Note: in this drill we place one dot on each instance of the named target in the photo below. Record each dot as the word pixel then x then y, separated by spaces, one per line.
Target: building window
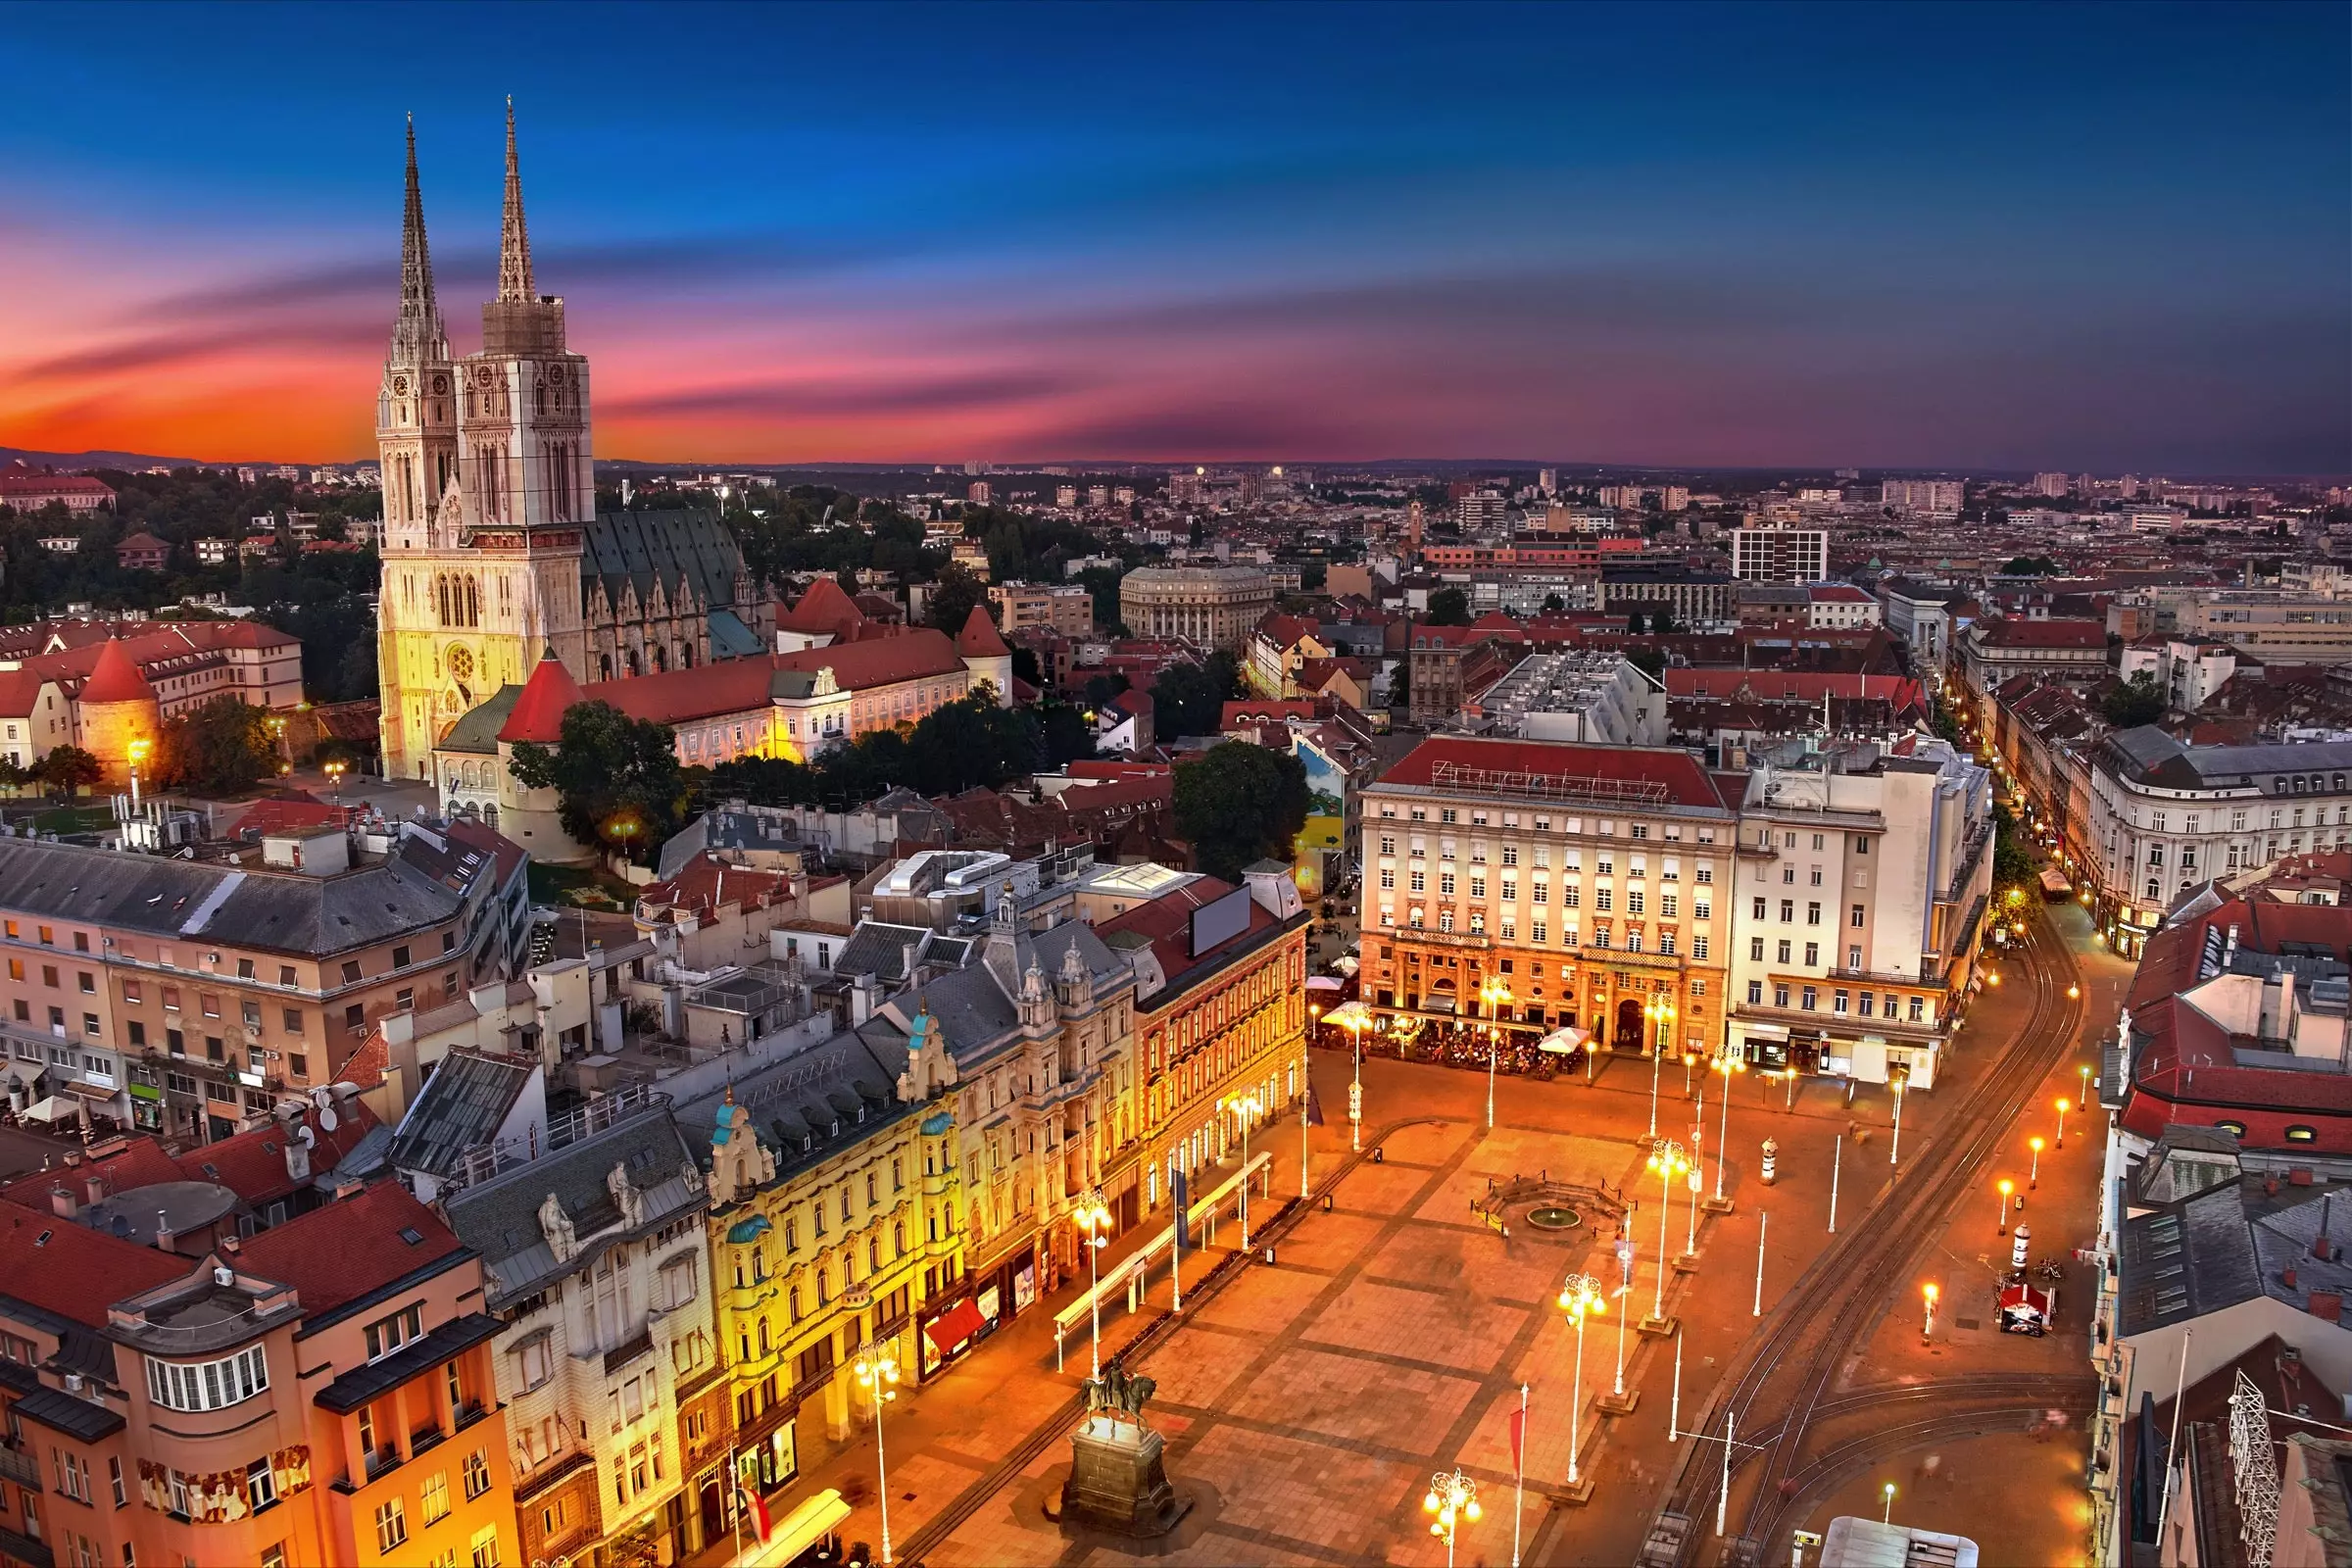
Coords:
pixel 391 1526
pixel 387 1335
pixel 1755 993
pixel 485 1546
pixel 477 1473
pixel 208 1385
pixel 2302 1135
pixel 432 1499
pixel 261 1484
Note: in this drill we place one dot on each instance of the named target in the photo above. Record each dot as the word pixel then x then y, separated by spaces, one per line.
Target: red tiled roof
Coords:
pixel 1840 594
pixel 139 1162
pixel 824 607
pixel 253 1165
pixel 20 691
pixel 1259 711
pixel 548 694
pixel 285 813
pixel 342 1252
pixel 979 639
pixel 115 679
pixel 2011 632
pixel 708 883
pixel 64 1268
pixel 1687 782
pixel 1167 921
pixel 743 685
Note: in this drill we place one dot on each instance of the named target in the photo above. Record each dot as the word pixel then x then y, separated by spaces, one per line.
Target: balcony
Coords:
pixel 19 1465
pixel 629 1349
pixel 1443 939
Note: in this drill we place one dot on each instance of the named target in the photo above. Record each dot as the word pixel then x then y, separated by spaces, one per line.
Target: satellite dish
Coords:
pixel 326 1118
pixel 308 1137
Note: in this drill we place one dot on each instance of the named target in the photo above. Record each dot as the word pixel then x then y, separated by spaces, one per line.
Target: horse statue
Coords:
pixel 1120 1393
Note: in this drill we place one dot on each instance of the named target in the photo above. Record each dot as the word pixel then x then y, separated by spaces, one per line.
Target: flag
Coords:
pixel 754 1506
pixel 1314 1108
pixel 1183 1206
pixel 1519 1440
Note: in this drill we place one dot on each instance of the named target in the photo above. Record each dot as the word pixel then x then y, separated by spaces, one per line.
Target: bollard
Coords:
pixel 1770 1150
pixel 2017 1250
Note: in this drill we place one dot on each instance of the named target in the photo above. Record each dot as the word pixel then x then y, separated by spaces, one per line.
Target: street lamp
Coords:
pixel 2063 1108
pixel 878 1375
pixel 335 775
pixel 2085 1070
pixel 1352 1016
pixel 1659 1010
pixel 1729 1065
pixel 1888 1518
pixel 1093 1218
pixel 138 755
pixel 1495 993
pixel 1453 1497
pixel 1247 1107
pixel 1928 1330
pixel 1894 1152
pixel 2034 1175
pixel 1580 1296
pixel 2007 1187
pixel 1625 1271
pixel 1667 1159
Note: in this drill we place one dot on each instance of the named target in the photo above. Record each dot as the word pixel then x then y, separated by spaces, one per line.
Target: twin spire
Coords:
pixel 420 326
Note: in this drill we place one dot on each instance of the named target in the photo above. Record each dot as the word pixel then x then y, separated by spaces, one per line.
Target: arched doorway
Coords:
pixel 1628 1024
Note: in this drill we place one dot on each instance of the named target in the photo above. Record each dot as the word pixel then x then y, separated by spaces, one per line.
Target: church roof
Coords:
pixel 626 550
pixel 114 678
pixel 979 639
pixel 546 698
pixel 823 609
pixel 478 730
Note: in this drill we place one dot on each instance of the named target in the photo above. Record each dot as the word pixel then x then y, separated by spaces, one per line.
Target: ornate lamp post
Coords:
pixel 878 1375
pixel 335 775
pixel 1093 1217
pixel 1580 1297
pixel 1667 1159
pixel 1453 1497
pixel 1659 1010
pixel 1495 993
pixel 1247 1107
pixel 1729 1065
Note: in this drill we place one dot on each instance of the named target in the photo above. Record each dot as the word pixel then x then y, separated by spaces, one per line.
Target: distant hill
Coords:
pixel 133 461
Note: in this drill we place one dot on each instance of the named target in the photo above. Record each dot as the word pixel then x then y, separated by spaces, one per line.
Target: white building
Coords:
pixel 1840 606
pixel 1779 555
pixel 1864 875
pixel 1598 698
pixel 1934 498
pixel 1921 616
pixel 593 1259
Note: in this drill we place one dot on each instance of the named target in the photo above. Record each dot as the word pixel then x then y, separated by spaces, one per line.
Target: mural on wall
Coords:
pixel 222 1497
pixel 1317 852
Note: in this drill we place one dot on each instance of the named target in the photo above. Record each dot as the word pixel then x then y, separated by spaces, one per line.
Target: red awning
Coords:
pixel 2026 1297
pixel 949 1331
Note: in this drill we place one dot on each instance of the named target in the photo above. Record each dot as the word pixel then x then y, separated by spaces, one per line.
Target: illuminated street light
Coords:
pixel 138 755
pixel 2073 993
pixel 1666 1159
pixel 2063 1107
pixel 1495 993
pixel 335 775
pixel 1580 1297
pixel 1352 1016
pixel 1659 1010
pixel 1453 1497
pixel 1729 1065
pixel 1894 1153
pixel 2007 1187
pixel 878 1376
pixel 1247 1107
pixel 1093 1218
pixel 1928 1330
pixel 2033 1173
pixel 1888 1518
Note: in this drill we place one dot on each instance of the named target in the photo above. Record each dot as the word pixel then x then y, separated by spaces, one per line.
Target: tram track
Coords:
pixel 1787 1373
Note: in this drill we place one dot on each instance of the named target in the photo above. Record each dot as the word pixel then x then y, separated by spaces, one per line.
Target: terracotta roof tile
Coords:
pixel 348 1249
pixel 549 695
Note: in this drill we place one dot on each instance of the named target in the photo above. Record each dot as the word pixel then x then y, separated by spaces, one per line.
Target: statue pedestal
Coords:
pixel 1117 1480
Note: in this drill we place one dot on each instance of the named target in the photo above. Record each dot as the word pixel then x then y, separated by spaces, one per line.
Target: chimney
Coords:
pixel 61 1202
pixel 2229 949
pixel 2327 1306
pixel 229 1244
pixel 2288 1277
pixel 862 995
pixel 93 1188
pixel 349 1187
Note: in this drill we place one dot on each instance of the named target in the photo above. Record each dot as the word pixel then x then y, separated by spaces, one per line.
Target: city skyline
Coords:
pixel 1788 245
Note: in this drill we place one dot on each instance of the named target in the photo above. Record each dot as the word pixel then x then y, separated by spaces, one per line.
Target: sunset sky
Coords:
pixel 1995 237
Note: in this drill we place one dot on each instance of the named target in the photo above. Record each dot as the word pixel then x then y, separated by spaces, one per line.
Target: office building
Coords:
pixel 1779 554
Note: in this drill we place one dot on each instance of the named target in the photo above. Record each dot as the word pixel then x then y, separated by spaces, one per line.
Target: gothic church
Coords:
pixel 493 549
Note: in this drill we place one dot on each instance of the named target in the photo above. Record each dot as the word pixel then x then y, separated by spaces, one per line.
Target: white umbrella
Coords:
pixel 1564 1041
pixel 53 1110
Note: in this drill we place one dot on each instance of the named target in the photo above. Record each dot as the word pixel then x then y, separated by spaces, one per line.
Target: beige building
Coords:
pixel 1038 607
pixel 1218 606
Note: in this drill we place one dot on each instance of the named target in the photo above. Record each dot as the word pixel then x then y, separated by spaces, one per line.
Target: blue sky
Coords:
pixel 2107 238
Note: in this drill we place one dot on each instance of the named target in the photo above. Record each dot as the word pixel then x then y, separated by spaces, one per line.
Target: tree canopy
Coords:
pixel 617 779
pixel 1190 698
pixel 2133 702
pixel 217 748
pixel 67 769
pixel 1448 606
pixel 2030 566
pixel 971 742
pixel 1240 803
pixel 952 599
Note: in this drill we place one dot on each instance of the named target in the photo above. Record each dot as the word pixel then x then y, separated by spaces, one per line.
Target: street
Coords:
pixel 1306 1402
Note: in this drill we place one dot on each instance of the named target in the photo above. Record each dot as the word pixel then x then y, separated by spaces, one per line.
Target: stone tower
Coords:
pixel 484 576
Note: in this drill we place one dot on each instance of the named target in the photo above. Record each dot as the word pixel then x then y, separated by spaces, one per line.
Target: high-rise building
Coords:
pixel 493 548
pixel 1548 481
pixel 978 492
pixel 1933 497
pixel 1779 555
pixel 2051 484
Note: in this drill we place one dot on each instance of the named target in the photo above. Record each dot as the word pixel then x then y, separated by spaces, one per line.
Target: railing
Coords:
pixel 22 1469
pixel 1443 939
pixel 622 1355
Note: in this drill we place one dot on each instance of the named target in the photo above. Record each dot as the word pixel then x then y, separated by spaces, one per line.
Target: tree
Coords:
pixel 1069 737
pixel 2013 864
pixel 1448 606
pixel 1553 604
pixel 14 775
pixel 1651 662
pixel 1101 689
pixel 1239 803
pixel 67 768
pixel 952 598
pixel 2134 703
pixel 1190 698
pixel 617 779
pixel 2030 566
pixel 1635 623
pixel 1025 667
pixel 1661 621
pixel 218 748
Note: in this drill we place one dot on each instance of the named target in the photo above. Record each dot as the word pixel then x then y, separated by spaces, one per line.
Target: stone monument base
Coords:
pixel 1117 1480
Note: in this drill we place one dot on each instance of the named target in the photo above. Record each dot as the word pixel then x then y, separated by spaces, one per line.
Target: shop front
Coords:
pixel 948 1332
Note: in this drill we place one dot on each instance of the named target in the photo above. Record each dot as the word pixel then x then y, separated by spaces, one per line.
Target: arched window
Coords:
pixel 539 397
pixel 2302 1135
pixel 603 667
pixel 2236 1129
pixel 474 601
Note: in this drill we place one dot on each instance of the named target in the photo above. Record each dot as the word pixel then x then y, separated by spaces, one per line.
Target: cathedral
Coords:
pixel 494 553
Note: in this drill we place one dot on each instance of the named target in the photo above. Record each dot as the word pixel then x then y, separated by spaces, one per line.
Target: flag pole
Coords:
pixel 1518 1472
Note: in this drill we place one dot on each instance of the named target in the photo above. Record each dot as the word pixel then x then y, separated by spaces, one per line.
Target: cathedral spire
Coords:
pixel 417 333
pixel 514 245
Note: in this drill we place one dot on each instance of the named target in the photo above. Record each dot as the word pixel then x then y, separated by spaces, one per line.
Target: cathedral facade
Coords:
pixel 493 550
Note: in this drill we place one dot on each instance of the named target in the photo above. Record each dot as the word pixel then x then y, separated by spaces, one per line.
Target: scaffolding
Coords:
pixel 1623 793
pixel 2257 1467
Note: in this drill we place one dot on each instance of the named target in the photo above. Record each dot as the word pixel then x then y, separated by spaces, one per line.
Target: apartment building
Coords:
pixel 1860 908
pixel 221 988
pixel 1041 606
pixel 834 1231
pixel 1220 1013
pixel 1779 554
pixel 594 1261
pixel 2165 815
pixel 322 1393
pixel 1997 649
pixel 1584 882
